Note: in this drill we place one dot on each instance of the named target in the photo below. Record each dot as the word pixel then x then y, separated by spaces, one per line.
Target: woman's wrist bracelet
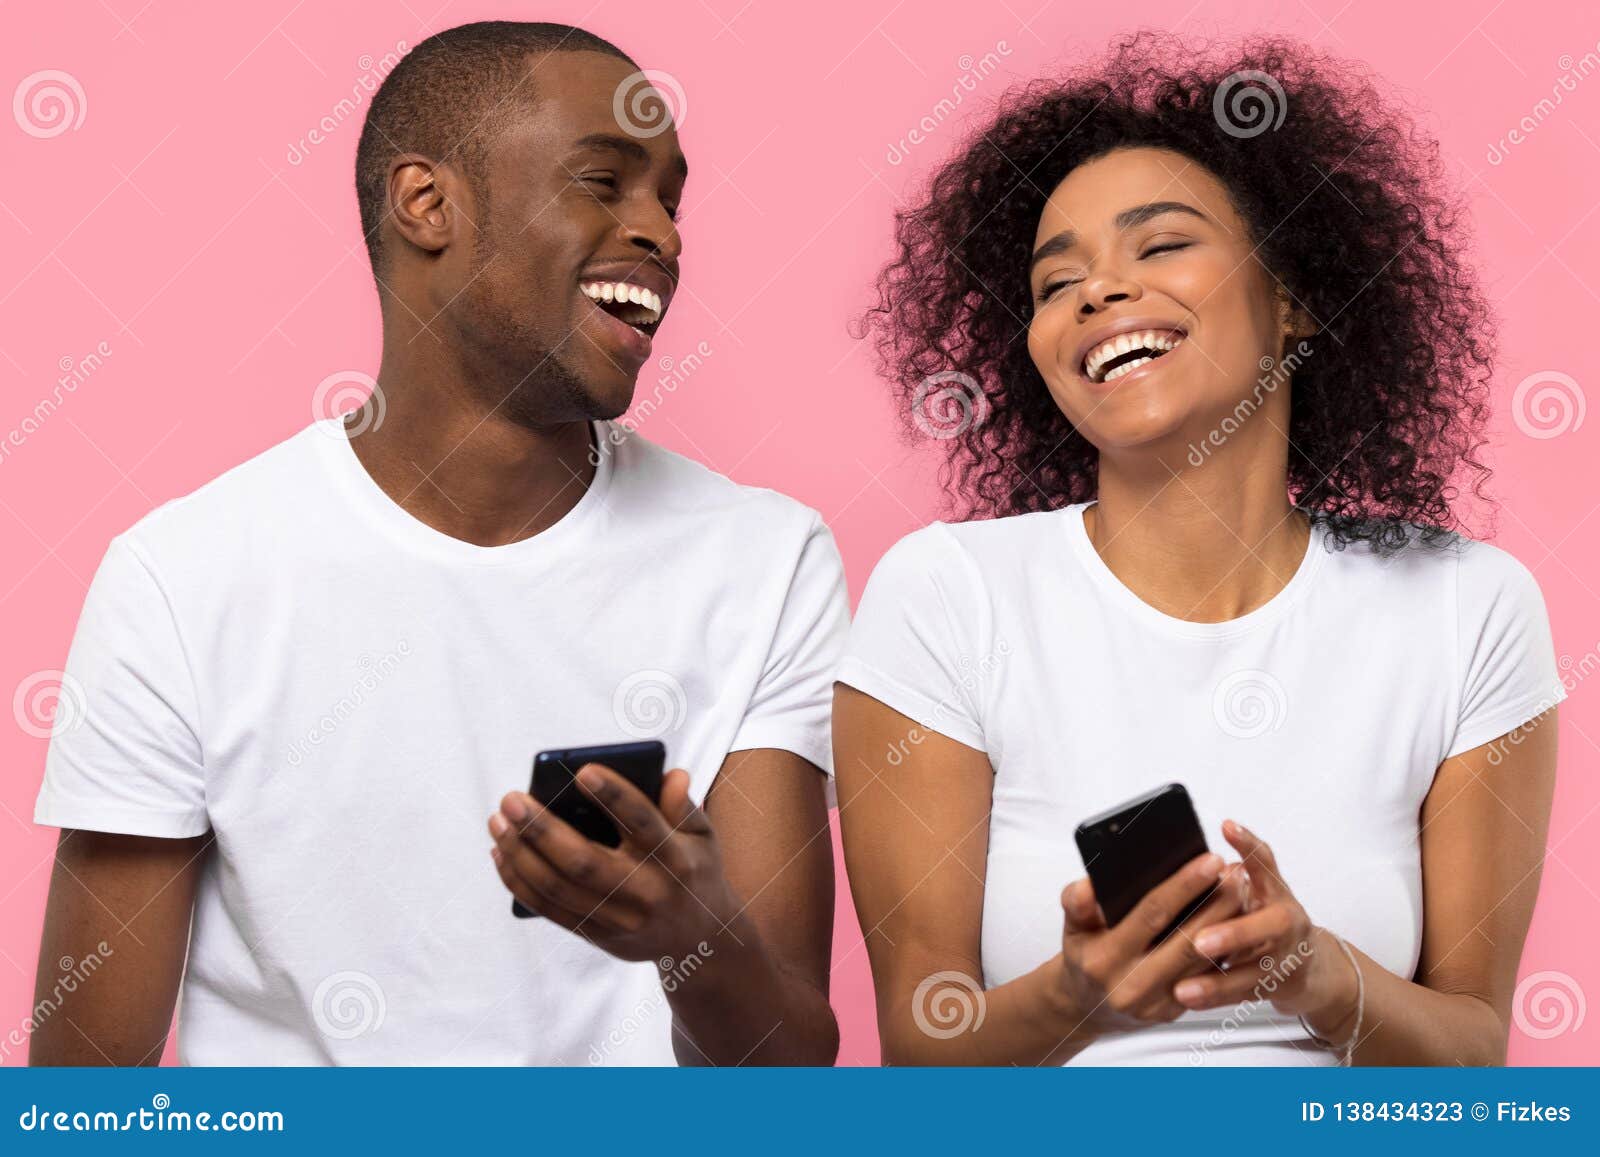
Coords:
pixel 1347 1050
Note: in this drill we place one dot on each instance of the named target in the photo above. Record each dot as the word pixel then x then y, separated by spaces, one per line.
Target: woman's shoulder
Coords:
pixel 1407 546
pixel 1470 574
pixel 970 551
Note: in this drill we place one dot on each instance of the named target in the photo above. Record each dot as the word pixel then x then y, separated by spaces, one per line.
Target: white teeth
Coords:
pixel 1125 343
pixel 1125 367
pixel 621 291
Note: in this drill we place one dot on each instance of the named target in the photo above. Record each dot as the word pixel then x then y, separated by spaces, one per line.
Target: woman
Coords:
pixel 1221 372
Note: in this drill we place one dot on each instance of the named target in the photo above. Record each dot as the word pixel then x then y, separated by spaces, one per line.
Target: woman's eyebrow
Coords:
pixel 1139 214
pixel 1126 219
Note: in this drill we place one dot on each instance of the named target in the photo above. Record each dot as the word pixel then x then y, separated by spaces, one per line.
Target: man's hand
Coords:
pixel 657 895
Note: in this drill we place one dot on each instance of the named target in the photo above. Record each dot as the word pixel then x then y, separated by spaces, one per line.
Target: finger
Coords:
pixel 593 873
pixel 535 902
pixel 552 890
pixel 1264 926
pixel 635 814
pixel 1081 908
pixel 1258 859
pixel 1179 954
pixel 1158 907
pixel 1241 985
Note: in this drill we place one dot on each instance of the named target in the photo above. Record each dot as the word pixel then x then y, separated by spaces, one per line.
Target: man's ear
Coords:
pixel 423 202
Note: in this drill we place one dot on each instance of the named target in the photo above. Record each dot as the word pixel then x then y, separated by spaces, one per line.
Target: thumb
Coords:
pixel 677 808
pixel 1082 910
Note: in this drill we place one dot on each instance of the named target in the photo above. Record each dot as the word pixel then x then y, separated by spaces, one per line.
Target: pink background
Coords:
pixel 228 281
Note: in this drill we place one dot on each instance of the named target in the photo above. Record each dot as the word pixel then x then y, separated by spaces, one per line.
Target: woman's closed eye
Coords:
pixel 1050 289
pixel 1165 247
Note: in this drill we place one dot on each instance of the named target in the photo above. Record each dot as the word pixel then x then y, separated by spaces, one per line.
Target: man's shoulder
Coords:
pixel 670 482
pixel 241 496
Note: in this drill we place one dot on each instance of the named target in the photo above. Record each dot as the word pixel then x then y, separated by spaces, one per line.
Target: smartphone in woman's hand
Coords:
pixel 1136 845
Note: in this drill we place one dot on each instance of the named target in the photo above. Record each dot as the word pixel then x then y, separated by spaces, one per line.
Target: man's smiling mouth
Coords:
pixel 631 304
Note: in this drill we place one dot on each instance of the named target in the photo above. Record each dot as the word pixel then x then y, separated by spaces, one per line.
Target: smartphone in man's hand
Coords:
pixel 555 786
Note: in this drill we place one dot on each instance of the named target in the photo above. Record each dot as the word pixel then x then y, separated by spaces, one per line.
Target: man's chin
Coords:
pixel 610 400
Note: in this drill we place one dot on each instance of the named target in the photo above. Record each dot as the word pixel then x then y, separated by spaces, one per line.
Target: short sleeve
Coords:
pixel 792 706
pixel 128 757
pixel 916 645
pixel 1506 659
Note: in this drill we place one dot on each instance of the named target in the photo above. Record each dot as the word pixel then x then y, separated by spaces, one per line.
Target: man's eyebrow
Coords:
pixel 629 148
pixel 1126 219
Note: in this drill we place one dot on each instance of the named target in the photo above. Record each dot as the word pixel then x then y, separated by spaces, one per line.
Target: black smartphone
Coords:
pixel 1136 845
pixel 641 764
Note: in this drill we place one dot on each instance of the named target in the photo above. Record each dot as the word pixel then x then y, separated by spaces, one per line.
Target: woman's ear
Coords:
pixel 1294 323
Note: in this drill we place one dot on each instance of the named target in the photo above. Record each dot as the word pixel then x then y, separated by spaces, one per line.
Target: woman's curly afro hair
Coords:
pixel 1346 206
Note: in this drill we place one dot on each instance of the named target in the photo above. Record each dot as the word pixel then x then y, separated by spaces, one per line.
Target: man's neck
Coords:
pixel 475 476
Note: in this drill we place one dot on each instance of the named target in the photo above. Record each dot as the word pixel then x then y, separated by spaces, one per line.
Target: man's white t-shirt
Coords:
pixel 1317 720
pixel 342 694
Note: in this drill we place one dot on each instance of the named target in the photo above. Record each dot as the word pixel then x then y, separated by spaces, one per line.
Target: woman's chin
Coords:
pixel 1116 427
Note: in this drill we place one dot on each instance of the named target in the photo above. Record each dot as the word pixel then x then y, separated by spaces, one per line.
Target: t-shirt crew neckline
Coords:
pixel 417 535
pixel 1270 611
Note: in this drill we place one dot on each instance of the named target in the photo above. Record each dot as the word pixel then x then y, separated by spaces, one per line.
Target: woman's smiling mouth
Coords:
pixel 1122 353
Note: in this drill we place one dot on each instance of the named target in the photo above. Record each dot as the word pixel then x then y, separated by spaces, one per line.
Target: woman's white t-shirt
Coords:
pixel 342 694
pixel 1318 720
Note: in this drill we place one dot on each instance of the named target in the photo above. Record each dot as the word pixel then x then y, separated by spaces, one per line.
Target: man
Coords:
pixel 310 682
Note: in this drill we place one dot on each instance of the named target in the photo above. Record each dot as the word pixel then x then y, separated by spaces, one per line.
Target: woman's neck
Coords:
pixel 1205 545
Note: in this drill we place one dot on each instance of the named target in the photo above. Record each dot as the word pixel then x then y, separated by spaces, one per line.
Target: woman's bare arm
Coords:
pixel 1483 824
pixel 916 835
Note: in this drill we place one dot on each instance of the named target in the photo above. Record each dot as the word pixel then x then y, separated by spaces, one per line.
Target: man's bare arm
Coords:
pixel 124 903
pixel 762 999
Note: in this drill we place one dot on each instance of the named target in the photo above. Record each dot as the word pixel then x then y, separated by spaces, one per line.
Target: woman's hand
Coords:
pixel 1112 978
pixel 1273 951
